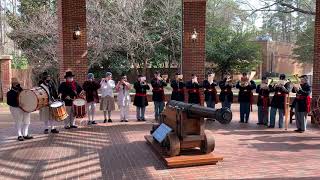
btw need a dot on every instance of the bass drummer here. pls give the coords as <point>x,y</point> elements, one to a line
<point>21,118</point>
<point>68,91</point>
<point>45,115</point>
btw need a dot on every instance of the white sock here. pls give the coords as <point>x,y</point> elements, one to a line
<point>25,129</point>
<point>19,128</point>
<point>46,124</point>
<point>91,109</point>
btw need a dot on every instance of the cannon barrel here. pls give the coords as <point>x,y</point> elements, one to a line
<point>224,115</point>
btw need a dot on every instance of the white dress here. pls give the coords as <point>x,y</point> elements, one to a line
<point>123,97</point>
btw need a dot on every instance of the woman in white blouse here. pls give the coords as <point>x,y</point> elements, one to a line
<point>107,104</point>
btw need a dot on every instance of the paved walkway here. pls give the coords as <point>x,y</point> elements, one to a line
<point>119,151</point>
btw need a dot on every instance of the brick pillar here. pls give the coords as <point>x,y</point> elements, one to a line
<point>193,52</point>
<point>6,73</point>
<point>72,53</point>
<point>316,60</point>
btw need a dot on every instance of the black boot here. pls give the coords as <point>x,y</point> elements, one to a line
<point>20,138</point>
<point>54,131</point>
<point>27,137</point>
<point>46,131</point>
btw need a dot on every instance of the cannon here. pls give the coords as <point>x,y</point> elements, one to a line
<point>187,122</point>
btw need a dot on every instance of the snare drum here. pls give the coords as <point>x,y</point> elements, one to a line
<point>58,110</point>
<point>31,100</point>
<point>79,108</point>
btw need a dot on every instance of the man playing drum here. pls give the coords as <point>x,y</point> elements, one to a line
<point>22,118</point>
<point>68,91</point>
<point>45,115</point>
<point>107,99</point>
<point>91,88</point>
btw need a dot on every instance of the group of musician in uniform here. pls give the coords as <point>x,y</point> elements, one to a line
<point>70,89</point>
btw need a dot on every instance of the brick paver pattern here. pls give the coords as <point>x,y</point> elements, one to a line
<point>119,151</point>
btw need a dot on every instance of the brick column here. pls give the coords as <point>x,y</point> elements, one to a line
<point>193,52</point>
<point>72,53</point>
<point>6,73</point>
<point>316,60</point>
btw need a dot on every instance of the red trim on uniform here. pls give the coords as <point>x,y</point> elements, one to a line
<point>157,89</point>
<point>193,90</point>
<point>141,94</point>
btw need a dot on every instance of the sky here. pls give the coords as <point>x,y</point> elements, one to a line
<point>256,4</point>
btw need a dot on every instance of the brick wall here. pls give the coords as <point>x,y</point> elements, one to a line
<point>316,64</point>
<point>193,52</point>
<point>194,17</point>
<point>5,63</point>
<point>72,53</point>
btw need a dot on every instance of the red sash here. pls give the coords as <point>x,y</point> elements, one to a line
<point>141,94</point>
<point>213,91</point>
<point>159,90</point>
<point>307,99</point>
<point>193,90</point>
<point>280,94</point>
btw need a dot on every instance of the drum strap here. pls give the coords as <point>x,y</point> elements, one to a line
<point>47,90</point>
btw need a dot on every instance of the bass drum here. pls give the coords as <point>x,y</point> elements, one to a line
<point>31,100</point>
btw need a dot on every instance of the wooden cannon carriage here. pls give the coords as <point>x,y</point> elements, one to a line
<point>188,127</point>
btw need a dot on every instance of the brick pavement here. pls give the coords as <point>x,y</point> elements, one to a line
<point>118,151</point>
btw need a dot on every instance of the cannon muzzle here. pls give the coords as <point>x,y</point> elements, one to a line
<point>224,115</point>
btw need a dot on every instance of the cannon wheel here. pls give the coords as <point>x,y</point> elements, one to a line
<point>172,145</point>
<point>208,144</point>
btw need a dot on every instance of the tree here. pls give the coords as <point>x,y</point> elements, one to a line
<point>299,6</point>
<point>305,45</point>
<point>35,33</point>
<point>231,51</point>
<point>121,33</point>
<point>141,33</point>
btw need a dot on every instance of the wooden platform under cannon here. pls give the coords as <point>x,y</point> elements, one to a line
<point>190,157</point>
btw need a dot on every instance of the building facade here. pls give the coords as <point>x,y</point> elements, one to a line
<point>277,57</point>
